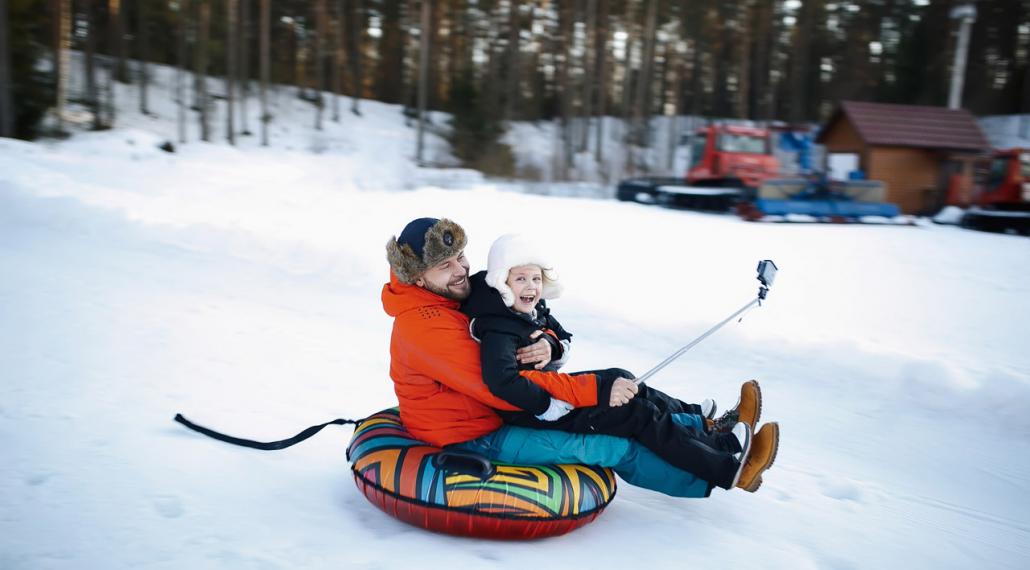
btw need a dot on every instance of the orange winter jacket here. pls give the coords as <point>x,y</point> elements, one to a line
<point>434,363</point>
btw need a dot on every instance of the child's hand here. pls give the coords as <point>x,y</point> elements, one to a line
<point>539,352</point>
<point>623,391</point>
<point>556,410</point>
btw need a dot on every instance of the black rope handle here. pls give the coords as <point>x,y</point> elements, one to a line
<point>266,445</point>
<point>464,462</point>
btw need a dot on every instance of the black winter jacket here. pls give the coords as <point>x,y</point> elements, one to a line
<point>501,331</point>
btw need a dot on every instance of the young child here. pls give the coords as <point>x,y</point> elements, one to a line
<point>507,309</point>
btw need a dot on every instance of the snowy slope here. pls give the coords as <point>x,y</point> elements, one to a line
<point>1007,131</point>
<point>241,287</point>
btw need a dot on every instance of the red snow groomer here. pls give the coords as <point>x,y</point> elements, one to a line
<point>727,162</point>
<point>729,156</point>
<point>1001,194</point>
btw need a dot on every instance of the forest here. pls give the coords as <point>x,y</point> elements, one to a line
<point>489,62</point>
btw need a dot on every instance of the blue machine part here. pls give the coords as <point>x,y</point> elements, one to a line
<point>826,208</point>
<point>800,143</point>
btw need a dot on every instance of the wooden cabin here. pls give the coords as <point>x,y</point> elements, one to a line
<point>915,151</point>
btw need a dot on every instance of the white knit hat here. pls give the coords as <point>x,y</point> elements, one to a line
<point>515,250</point>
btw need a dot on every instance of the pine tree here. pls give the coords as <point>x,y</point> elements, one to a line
<point>6,99</point>
<point>244,65</point>
<point>230,69</point>
<point>182,21</point>
<point>423,77</point>
<point>266,10</point>
<point>203,32</point>
<point>143,55</point>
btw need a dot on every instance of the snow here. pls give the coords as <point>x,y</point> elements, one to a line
<point>240,286</point>
<point>1007,131</point>
<point>949,215</point>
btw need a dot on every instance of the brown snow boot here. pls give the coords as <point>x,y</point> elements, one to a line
<point>747,410</point>
<point>764,446</point>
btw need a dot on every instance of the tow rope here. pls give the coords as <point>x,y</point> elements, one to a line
<point>266,445</point>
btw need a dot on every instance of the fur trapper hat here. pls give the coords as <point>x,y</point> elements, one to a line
<point>423,243</point>
<point>515,250</point>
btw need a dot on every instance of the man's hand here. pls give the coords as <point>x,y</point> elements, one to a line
<point>539,352</point>
<point>623,391</point>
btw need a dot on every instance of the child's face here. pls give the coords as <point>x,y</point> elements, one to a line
<point>527,282</point>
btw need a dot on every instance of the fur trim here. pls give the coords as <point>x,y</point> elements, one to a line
<point>515,250</point>
<point>443,239</point>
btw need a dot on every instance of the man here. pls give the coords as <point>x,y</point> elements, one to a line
<point>435,366</point>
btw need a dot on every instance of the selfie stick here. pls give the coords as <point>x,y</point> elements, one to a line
<point>766,274</point>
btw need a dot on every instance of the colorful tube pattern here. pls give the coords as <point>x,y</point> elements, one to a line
<point>397,473</point>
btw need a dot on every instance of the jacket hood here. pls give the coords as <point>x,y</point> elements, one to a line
<point>399,297</point>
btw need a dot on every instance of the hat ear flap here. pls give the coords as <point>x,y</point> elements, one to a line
<point>552,288</point>
<point>495,280</point>
<point>507,295</point>
<point>405,264</point>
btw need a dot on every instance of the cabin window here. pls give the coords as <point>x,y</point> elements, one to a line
<point>730,142</point>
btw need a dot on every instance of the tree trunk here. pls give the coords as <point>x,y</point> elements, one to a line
<point>452,59</point>
<point>720,52</point>
<point>643,104</point>
<point>144,49</point>
<point>266,10</point>
<point>357,36</point>
<point>535,109</point>
<point>116,64</point>
<point>423,77</point>
<point>601,60</point>
<point>344,47</point>
<point>513,92</point>
<point>6,99</point>
<point>588,72</point>
<point>627,87</point>
<point>230,69</point>
<point>337,46</point>
<point>743,57</point>
<point>762,55</point>
<point>799,63</point>
<point>114,57</point>
<point>389,74</point>
<point>657,100</point>
<point>62,57</point>
<point>201,73</point>
<point>565,33</point>
<point>671,84</point>
<point>491,81</point>
<point>180,73</point>
<point>321,30</point>
<point>122,45</point>
<point>693,103</point>
<point>298,50</point>
<point>244,66</point>
<point>92,95</point>
<point>1024,101</point>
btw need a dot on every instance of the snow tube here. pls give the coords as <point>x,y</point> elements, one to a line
<point>466,495</point>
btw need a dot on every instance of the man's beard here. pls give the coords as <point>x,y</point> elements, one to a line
<point>449,292</point>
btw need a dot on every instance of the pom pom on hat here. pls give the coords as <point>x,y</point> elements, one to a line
<point>516,250</point>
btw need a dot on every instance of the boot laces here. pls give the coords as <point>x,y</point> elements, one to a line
<point>727,420</point>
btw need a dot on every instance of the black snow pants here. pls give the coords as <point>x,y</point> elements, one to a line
<point>647,418</point>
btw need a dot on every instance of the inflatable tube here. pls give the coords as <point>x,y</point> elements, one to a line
<point>421,485</point>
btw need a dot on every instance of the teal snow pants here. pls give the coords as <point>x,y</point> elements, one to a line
<point>633,462</point>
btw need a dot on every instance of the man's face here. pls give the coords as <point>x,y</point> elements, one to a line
<point>449,278</point>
